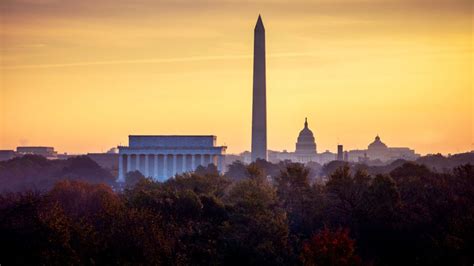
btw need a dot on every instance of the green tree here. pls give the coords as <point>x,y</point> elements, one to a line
<point>133,177</point>
<point>257,230</point>
<point>345,193</point>
<point>237,171</point>
<point>210,170</point>
<point>201,184</point>
<point>302,202</point>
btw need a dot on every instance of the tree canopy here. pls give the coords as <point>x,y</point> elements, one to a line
<point>267,215</point>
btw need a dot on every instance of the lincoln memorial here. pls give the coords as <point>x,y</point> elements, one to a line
<point>161,157</point>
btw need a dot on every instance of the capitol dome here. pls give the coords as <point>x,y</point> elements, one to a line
<point>377,144</point>
<point>306,144</point>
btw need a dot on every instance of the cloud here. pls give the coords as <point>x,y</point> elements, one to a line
<point>137,8</point>
<point>155,60</point>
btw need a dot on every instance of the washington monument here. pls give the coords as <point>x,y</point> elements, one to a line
<point>259,105</point>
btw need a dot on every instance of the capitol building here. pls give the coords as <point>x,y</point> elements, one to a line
<point>305,151</point>
<point>306,145</point>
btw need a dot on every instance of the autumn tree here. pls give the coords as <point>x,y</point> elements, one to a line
<point>328,247</point>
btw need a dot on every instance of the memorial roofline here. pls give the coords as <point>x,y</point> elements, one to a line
<point>172,147</point>
<point>172,136</point>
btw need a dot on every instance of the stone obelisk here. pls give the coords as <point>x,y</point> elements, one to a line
<point>259,105</point>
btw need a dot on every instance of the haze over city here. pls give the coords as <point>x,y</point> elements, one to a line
<point>226,132</point>
<point>83,75</point>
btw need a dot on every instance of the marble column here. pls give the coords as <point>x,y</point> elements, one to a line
<point>129,163</point>
<point>155,168</point>
<point>120,177</point>
<point>220,163</point>
<point>193,162</point>
<point>147,168</point>
<point>209,161</point>
<point>174,164</point>
<point>183,168</point>
<point>202,160</point>
<point>165,166</point>
<point>137,166</point>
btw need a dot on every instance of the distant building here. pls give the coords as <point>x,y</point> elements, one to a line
<point>340,153</point>
<point>112,150</point>
<point>47,152</point>
<point>379,151</point>
<point>161,157</point>
<point>357,155</point>
<point>246,157</point>
<point>44,151</point>
<point>305,146</point>
<point>7,155</point>
<point>305,152</point>
<point>105,160</point>
<point>346,156</point>
<point>278,156</point>
<point>326,157</point>
<point>108,160</point>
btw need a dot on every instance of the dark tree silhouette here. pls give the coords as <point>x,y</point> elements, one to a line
<point>273,214</point>
<point>237,170</point>
<point>134,177</point>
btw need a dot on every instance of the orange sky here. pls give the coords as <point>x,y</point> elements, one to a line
<point>83,75</point>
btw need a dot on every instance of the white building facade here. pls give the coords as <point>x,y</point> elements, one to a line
<point>163,156</point>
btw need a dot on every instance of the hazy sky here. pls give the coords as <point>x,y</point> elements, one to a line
<point>83,75</point>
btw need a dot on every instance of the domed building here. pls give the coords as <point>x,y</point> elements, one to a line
<point>377,145</point>
<point>305,145</point>
<point>377,150</point>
